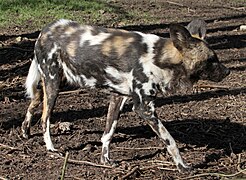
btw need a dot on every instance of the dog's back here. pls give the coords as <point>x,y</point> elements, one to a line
<point>95,56</point>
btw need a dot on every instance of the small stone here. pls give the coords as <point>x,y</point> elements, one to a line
<point>18,39</point>
<point>65,126</point>
<point>242,28</point>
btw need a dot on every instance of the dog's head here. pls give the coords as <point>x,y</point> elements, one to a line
<point>200,61</point>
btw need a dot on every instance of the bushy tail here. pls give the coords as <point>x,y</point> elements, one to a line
<point>32,79</point>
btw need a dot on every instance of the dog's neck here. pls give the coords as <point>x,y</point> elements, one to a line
<point>171,60</point>
<point>170,54</point>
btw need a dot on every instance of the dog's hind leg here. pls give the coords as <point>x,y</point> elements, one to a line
<point>34,93</point>
<point>115,106</point>
<point>50,91</point>
<point>26,124</point>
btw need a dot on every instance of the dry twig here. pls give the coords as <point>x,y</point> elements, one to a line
<point>69,92</point>
<point>64,166</point>
<point>88,163</point>
<point>235,8</point>
<point>8,147</point>
<point>174,3</point>
<point>238,164</point>
<point>143,148</point>
<point>211,86</point>
<point>180,5</point>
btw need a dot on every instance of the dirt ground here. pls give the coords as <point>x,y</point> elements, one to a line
<point>208,125</point>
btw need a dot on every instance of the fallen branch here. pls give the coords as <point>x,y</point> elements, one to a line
<point>88,163</point>
<point>174,3</point>
<point>211,86</point>
<point>235,8</point>
<point>167,169</point>
<point>180,5</point>
<point>215,174</point>
<point>143,148</point>
<point>69,92</point>
<point>161,162</point>
<point>8,147</point>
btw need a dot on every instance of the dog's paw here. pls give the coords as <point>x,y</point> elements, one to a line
<point>25,132</point>
<point>184,168</point>
<point>56,152</point>
<point>109,162</point>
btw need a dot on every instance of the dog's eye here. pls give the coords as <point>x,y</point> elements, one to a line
<point>210,60</point>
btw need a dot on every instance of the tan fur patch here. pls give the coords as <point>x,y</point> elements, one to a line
<point>71,48</point>
<point>36,101</point>
<point>196,36</point>
<point>45,108</point>
<point>172,53</point>
<point>106,48</point>
<point>111,30</point>
<point>118,44</point>
<point>70,30</point>
<point>43,38</point>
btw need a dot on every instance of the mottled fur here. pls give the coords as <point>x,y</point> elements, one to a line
<point>129,64</point>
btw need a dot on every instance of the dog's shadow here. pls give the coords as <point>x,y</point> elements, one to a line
<point>225,136</point>
<point>219,134</point>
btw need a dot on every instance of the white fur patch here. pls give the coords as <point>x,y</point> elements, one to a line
<point>52,51</point>
<point>78,79</point>
<point>106,137</point>
<point>40,70</point>
<point>139,95</point>
<point>147,59</point>
<point>33,78</point>
<point>61,22</point>
<point>153,72</point>
<point>47,138</point>
<point>71,78</point>
<point>52,76</point>
<point>91,82</point>
<point>123,102</point>
<point>125,79</point>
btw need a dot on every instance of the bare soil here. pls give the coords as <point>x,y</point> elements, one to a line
<point>208,125</point>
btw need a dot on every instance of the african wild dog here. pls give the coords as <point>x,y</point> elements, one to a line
<point>130,64</point>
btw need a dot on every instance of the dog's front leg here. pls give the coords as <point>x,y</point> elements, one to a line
<point>115,106</point>
<point>146,111</point>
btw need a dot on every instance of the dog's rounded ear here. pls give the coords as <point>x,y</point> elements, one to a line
<point>197,28</point>
<point>180,36</point>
